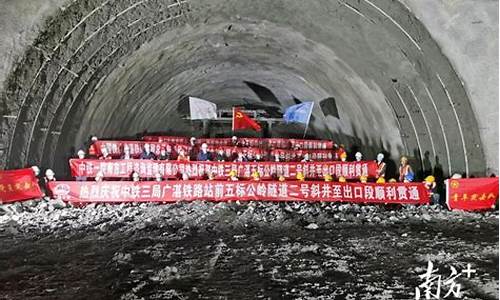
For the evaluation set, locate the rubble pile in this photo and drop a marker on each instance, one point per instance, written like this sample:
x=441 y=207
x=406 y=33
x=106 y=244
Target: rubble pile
x=49 y=215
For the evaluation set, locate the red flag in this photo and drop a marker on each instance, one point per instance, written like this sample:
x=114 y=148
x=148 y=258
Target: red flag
x=242 y=121
x=18 y=185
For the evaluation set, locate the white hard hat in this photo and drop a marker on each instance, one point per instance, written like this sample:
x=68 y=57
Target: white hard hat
x=49 y=172
x=36 y=170
x=234 y=137
x=358 y=154
x=81 y=152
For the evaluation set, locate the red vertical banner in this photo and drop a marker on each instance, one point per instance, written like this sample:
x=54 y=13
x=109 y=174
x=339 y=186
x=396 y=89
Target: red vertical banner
x=16 y=185
x=472 y=193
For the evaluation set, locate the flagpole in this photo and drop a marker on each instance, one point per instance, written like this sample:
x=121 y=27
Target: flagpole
x=308 y=119
x=232 y=122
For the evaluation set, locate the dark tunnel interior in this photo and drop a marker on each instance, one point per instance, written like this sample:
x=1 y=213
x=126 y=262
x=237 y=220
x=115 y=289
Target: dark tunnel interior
x=119 y=68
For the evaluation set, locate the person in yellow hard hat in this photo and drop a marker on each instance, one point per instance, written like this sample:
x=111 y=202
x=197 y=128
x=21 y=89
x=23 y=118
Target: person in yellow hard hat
x=300 y=176
x=328 y=178
x=430 y=185
x=256 y=175
x=363 y=179
x=233 y=176
x=342 y=179
x=343 y=156
x=380 y=180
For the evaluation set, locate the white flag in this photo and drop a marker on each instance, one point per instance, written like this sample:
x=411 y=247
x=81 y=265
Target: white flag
x=202 y=109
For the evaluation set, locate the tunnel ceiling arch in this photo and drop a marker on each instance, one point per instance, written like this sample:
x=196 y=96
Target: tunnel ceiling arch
x=118 y=67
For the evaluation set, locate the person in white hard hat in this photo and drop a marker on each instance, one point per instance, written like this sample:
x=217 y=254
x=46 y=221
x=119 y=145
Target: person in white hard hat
x=80 y=154
x=234 y=141
x=204 y=154
x=49 y=176
x=36 y=170
x=358 y=156
x=381 y=166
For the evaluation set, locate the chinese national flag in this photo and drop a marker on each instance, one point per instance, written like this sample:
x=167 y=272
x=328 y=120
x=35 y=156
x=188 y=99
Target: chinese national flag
x=242 y=121
x=18 y=185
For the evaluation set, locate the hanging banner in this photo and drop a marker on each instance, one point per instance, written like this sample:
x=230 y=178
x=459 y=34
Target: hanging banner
x=311 y=144
x=197 y=169
x=297 y=155
x=167 y=139
x=190 y=190
x=472 y=193
x=269 y=143
x=16 y=185
x=116 y=148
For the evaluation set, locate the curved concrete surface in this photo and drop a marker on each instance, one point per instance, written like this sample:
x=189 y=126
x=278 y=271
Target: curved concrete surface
x=116 y=68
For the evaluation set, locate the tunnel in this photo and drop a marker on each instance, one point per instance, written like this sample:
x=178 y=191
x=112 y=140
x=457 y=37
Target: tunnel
x=116 y=68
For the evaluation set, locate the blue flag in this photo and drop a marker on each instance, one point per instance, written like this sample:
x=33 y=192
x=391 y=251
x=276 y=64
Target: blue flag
x=300 y=113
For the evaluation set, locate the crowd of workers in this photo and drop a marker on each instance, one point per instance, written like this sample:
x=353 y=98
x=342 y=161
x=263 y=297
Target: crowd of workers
x=198 y=152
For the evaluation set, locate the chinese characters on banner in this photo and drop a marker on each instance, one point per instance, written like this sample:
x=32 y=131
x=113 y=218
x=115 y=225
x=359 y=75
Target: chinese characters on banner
x=197 y=169
x=167 y=139
x=294 y=155
x=171 y=191
x=270 y=143
x=115 y=148
x=472 y=193
x=18 y=185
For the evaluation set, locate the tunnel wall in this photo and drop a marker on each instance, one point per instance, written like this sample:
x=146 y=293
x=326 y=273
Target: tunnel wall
x=399 y=90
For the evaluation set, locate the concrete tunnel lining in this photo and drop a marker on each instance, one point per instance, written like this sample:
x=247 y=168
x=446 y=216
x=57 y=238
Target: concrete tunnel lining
x=377 y=60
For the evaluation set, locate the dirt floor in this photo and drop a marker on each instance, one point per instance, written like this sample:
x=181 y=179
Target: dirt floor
x=241 y=251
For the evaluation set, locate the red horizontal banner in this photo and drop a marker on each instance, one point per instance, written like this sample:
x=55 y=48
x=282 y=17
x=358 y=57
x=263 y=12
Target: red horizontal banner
x=297 y=155
x=472 y=193
x=115 y=148
x=18 y=185
x=172 y=191
x=311 y=144
x=167 y=139
x=271 y=143
x=196 y=169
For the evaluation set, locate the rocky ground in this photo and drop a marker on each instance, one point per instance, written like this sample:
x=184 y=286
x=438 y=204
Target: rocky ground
x=251 y=250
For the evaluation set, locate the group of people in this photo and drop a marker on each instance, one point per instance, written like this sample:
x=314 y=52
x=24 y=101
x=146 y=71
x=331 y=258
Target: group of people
x=406 y=173
x=196 y=152
x=202 y=153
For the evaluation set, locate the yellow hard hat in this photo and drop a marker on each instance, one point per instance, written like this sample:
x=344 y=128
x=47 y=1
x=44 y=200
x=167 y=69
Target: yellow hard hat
x=392 y=180
x=300 y=176
x=255 y=174
x=281 y=178
x=232 y=173
x=363 y=179
x=328 y=177
x=342 y=179
x=381 y=180
x=343 y=155
x=430 y=179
